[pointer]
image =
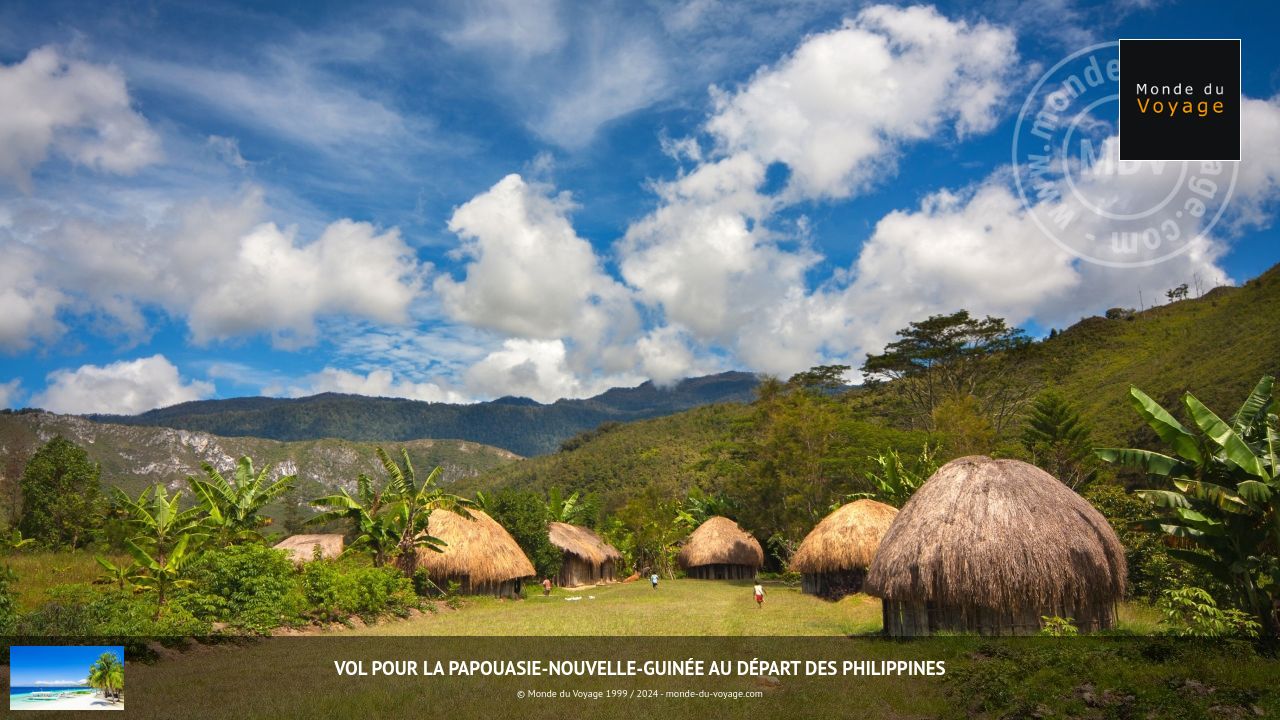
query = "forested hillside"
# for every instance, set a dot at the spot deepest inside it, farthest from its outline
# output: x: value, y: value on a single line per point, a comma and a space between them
x: 519, y: 425
x: 779, y: 464
x: 133, y: 457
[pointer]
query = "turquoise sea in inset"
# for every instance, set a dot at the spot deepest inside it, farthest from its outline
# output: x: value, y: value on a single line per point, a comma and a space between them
x: 32, y: 698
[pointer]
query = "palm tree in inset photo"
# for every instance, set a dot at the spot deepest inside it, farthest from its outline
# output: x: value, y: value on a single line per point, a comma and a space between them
x: 107, y: 674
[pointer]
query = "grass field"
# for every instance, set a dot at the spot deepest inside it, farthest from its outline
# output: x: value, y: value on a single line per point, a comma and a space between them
x: 296, y: 677
x: 40, y: 571
x: 677, y: 607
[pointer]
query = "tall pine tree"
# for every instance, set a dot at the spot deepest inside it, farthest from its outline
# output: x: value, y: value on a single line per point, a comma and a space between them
x: 1059, y: 440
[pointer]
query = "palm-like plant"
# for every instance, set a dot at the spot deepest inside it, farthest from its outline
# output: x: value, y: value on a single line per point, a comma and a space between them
x: 161, y: 546
x: 392, y: 522
x: 162, y: 573
x: 414, y: 503
x: 107, y: 674
x: 1223, y: 514
x: 14, y: 541
x: 562, y: 509
x: 234, y: 507
x: 118, y: 575
x: 366, y: 513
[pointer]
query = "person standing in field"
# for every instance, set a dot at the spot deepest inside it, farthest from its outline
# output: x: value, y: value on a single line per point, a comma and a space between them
x: 653, y: 579
x: 759, y: 591
x: 546, y: 587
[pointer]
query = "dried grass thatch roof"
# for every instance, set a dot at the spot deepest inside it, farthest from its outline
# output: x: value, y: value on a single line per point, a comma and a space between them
x: 301, y: 548
x: 719, y: 541
x: 998, y: 534
x: 845, y: 539
x: 582, y: 542
x: 479, y: 548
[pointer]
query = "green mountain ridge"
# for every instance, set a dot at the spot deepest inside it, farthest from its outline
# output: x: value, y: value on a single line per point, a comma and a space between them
x: 134, y: 457
x: 519, y: 425
x: 1215, y: 346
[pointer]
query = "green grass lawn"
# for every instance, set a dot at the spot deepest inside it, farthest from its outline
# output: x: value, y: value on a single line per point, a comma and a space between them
x: 677, y: 607
x: 40, y: 571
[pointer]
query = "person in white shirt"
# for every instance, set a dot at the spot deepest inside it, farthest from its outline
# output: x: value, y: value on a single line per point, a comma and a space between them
x: 759, y: 590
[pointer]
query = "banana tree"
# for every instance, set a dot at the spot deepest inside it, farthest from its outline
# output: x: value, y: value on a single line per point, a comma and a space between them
x: 162, y: 544
x: 118, y: 575
x: 14, y: 541
x: 414, y: 504
x: 162, y: 573
x: 367, y: 514
x: 561, y: 508
x: 234, y: 507
x: 1223, y: 513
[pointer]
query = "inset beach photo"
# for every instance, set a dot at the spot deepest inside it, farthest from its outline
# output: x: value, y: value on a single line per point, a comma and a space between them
x: 66, y: 677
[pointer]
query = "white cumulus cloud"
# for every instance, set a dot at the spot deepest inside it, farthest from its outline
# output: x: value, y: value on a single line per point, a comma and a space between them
x: 375, y: 383
x: 10, y: 392
x: 78, y: 109
x: 844, y: 101
x: 536, y: 369
x: 122, y: 388
x: 223, y: 267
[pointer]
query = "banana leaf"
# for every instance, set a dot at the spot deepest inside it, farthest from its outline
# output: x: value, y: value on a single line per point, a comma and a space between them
x: 1169, y: 429
x: 1233, y: 446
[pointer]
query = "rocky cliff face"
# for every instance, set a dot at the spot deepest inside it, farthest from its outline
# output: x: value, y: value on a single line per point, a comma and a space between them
x: 133, y: 457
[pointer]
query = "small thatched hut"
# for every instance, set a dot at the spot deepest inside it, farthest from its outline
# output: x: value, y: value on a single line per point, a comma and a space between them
x: 302, y: 548
x: 587, y: 558
x: 720, y: 550
x: 481, y: 555
x: 990, y: 546
x: 835, y: 555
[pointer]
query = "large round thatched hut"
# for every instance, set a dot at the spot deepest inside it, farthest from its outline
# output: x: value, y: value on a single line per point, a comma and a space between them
x: 587, y: 558
x: 835, y: 555
x: 481, y: 555
x: 720, y: 550
x: 302, y: 548
x: 990, y: 546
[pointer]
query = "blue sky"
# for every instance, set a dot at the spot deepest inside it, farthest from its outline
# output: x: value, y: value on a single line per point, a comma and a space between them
x: 52, y: 666
x: 458, y: 202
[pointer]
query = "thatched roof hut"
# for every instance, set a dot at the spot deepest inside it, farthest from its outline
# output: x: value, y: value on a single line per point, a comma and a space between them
x: 481, y: 555
x: 587, y: 560
x: 990, y: 546
x: 301, y: 548
x: 835, y: 555
x: 720, y: 550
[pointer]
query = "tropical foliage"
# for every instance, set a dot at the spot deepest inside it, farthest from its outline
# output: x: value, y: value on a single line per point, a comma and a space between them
x: 954, y: 356
x: 61, y: 498
x: 895, y: 480
x: 107, y: 674
x: 525, y: 515
x: 234, y: 508
x: 164, y: 540
x: 1059, y: 441
x: 391, y: 523
x: 1222, y: 513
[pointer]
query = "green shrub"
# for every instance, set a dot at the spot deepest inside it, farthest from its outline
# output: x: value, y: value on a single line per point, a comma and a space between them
x: 7, y: 610
x: 1152, y: 571
x: 336, y: 589
x: 250, y: 587
x: 1192, y: 612
x: 79, y: 610
x: 1058, y: 627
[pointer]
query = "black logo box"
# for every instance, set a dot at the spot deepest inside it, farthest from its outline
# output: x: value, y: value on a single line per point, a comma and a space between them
x: 1186, y: 68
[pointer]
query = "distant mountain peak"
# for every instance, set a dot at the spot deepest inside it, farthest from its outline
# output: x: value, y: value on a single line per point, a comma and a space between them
x: 518, y: 424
